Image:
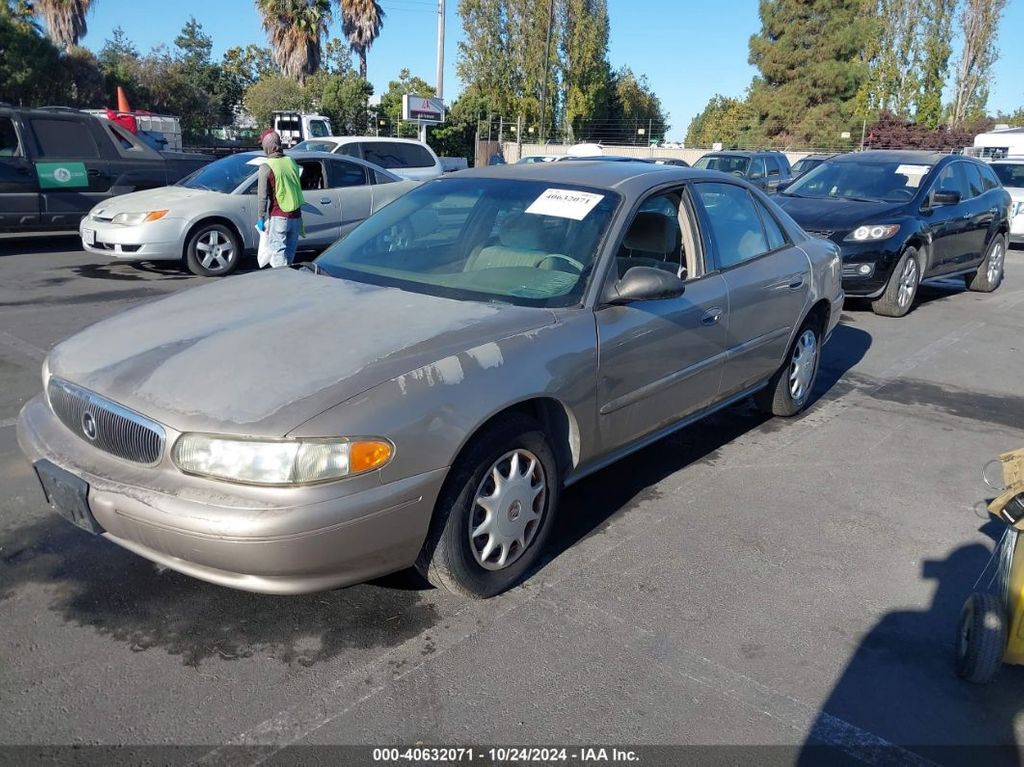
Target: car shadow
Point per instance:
(899, 689)
(23, 245)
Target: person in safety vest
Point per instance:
(279, 202)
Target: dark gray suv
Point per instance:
(765, 170)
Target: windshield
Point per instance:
(802, 166)
(1010, 174)
(528, 243)
(222, 175)
(864, 180)
(724, 163)
(315, 146)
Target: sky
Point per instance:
(689, 49)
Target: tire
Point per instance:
(213, 250)
(980, 638)
(990, 273)
(898, 297)
(789, 390)
(452, 558)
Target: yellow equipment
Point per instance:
(991, 630)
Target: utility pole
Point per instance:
(440, 49)
(544, 85)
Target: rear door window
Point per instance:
(352, 149)
(975, 185)
(64, 138)
(342, 174)
(757, 168)
(393, 154)
(773, 166)
(10, 146)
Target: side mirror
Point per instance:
(756, 175)
(945, 197)
(645, 283)
(783, 184)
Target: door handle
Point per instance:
(711, 316)
(796, 284)
(96, 173)
(325, 200)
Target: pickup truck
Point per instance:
(56, 164)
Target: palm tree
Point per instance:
(64, 20)
(295, 29)
(361, 21)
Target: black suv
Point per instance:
(903, 217)
(57, 163)
(765, 170)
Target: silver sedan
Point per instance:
(208, 219)
(422, 392)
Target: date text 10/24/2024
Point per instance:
(499, 754)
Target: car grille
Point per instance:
(821, 234)
(105, 424)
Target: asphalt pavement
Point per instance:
(745, 581)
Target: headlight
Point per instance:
(278, 462)
(131, 219)
(872, 233)
(1017, 208)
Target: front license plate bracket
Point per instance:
(68, 495)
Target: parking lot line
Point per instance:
(24, 347)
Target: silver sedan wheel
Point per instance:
(803, 364)
(507, 509)
(995, 262)
(908, 283)
(214, 251)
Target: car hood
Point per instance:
(156, 199)
(261, 353)
(836, 215)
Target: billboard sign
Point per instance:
(422, 109)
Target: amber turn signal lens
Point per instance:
(156, 215)
(365, 456)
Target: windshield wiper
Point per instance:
(311, 266)
(851, 198)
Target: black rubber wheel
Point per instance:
(789, 390)
(898, 297)
(456, 559)
(980, 638)
(990, 272)
(213, 250)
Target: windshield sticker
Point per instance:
(914, 173)
(564, 203)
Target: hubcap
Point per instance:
(801, 371)
(995, 263)
(215, 251)
(908, 283)
(507, 509)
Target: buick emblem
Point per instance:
(89, 425)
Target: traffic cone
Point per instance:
(122, 101)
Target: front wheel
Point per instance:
(901, 290)
(213, 250)
(789, 390)
(990, 275)
(495, 512)
(980, 638)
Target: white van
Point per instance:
(294, 127)
(404, 157)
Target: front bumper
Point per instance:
(878, 259)
(269, 540)
(154, 241)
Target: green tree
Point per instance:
(725, 120)
(28, 61)
(979, 21)
(82, 76)
(240, 68)
(895, 57)
(343, 99)
(195, 45)
(295, 29)
(361, 22)
(391, 100)
(484, 61)
(812, 63)
(937, 31)
(585, 73)
(635, 112)
(272, 93)
(64, 20)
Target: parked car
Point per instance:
(903, 217)
(810, 162)
(671, 161)
(765, 170)
(422, 392)
(534, 158)
(57, 163)
(405, 157)
(208, 219)
(1010, 173)
(294, 127)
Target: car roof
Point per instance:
(304, 155)
(627, 177)
(897, 155)
(741, 152)
(352, 139)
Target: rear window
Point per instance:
(315, 146)
(388, 154)
(64, 138)
(724, 163)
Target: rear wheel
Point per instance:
(980, 638)
(990, 274)
(899, 294)
(789, 390)
(495, 511)
(213, 250)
